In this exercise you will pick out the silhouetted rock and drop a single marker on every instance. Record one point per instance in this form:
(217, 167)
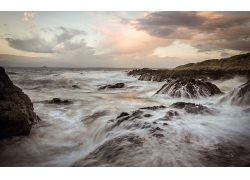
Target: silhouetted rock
(16, 109)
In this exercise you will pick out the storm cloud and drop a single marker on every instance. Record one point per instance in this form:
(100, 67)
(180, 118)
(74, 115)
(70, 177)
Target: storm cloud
(37, 44)
(206, 32)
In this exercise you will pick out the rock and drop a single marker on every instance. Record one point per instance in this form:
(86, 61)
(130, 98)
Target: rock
(59, 101)
(154, 107)
(189, 88)
(75, 87)
(145, 77)
(147, 115)
(191, 108)
(123, 114)
(16, 109)
(117, 85)
(112, 151)
(239, 96)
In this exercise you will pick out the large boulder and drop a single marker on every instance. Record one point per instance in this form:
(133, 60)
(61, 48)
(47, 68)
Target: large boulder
(189, 88)
(16, 109)
(238, 96)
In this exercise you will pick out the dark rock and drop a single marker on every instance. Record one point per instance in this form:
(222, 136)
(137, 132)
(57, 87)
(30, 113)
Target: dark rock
(76, 87)
(238, 96)
(118, 85)
(192, 108)
(165, 124)
(145, 77)
(16, 109)
(189, 88)
(147, 115)
(123, 114)
(158, 135)
(113, 150)
(154, 107)
(59, 101)
(56, 100)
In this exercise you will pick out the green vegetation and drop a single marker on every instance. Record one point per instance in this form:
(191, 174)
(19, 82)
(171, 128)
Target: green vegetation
(238, 62)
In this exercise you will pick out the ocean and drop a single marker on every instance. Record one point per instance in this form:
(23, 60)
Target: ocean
(80, 133)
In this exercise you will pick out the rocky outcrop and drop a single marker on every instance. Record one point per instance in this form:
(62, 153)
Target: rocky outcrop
(112, 151)
(191, 108)
(16, 109)
(189, 88)
(117, 85)
(145, 77)
(239, 96)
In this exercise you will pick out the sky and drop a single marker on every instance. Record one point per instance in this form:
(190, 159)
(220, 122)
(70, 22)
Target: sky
(126, 39)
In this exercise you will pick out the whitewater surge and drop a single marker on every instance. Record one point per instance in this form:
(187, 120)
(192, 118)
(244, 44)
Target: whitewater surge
(89, 131)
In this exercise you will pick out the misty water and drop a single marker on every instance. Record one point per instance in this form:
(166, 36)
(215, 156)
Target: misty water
(68, 133)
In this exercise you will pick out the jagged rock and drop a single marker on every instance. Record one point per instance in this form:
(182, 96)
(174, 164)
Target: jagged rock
(191, 108)
(16, 109)
(189, 88)
(117, 85)
(238, 96)
(145, 77)
(112, 151)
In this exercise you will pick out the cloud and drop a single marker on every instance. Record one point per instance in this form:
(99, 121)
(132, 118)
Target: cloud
(224, 54)
(127, 41)
(38, 44)
(35, 44)
(5, 24)
(206, 31)
(27, 16)
(32, 26)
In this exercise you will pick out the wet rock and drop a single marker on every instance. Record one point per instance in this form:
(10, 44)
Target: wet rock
(137, 114)
(16, 109)
(154, 107)
(172, 113)
(123, 114)
(145, 77)
(189, 88)
(158, 78)
(75, 87)
(58, 101)
(88, 120)
(112, 151)
(239, 96)
(191, 108)
(118, 85)
(158, 135)
(147, 115)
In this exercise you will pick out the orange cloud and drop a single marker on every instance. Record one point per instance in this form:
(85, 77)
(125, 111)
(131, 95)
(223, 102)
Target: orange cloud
(28, 15)
(128, 41)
